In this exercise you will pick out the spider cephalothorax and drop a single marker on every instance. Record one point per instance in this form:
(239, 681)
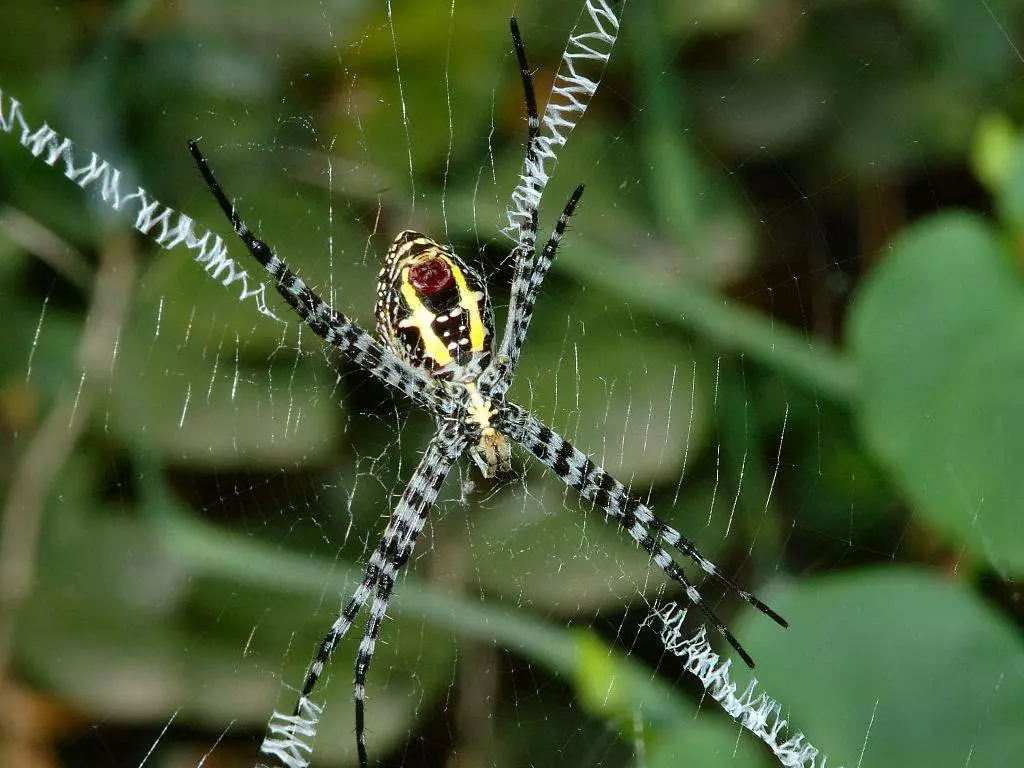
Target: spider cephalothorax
(488, 447)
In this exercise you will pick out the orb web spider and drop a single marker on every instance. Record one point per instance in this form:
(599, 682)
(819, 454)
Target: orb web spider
(436, 328)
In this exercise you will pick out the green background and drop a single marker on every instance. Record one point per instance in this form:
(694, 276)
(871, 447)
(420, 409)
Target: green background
(790, 311)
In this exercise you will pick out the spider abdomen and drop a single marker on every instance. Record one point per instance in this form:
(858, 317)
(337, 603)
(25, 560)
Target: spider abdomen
(432, 309)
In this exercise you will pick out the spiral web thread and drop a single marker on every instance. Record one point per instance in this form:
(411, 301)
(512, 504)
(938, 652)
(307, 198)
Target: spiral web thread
(757, 712)
(166, 227)
(586, 51)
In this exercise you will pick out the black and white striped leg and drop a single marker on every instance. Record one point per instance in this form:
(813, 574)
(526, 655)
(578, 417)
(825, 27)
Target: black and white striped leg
(288, 737)
(326, 322)
(525, 249)
(418, 498)
(595, 484)
(529, 235)
(391, 554)
(532, 116)
(525, 289)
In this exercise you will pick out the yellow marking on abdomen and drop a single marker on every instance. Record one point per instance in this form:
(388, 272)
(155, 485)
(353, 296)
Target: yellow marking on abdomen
(422, 319)
(469, 303)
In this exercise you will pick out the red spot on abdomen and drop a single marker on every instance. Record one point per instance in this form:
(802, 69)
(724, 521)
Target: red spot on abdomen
(430, 276)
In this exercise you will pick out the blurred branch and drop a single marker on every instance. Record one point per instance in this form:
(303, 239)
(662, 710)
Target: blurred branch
(49, 448)
(56, 252)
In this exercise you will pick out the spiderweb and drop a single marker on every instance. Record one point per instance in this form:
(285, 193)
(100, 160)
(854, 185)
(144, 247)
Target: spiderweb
(191, 486)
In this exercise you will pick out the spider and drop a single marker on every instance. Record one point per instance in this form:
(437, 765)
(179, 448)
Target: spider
(436, 330)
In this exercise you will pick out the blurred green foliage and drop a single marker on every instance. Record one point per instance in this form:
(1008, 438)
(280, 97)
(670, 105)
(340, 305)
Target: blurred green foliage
(790, 309)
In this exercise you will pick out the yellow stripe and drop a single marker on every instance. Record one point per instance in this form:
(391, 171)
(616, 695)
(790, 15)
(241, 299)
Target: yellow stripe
(472, 307)
(423, 320)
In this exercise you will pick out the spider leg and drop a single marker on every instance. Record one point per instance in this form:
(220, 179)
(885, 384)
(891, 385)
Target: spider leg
(285, 739)
(326, 322)
(530, 269)
(594, 484)
(411, 514)
(532, 116)
(528, 235)
(391, 554)
(525, 250)
(525, 288)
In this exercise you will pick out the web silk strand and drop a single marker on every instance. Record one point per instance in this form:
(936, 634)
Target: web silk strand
(582, 66)
(162, 224)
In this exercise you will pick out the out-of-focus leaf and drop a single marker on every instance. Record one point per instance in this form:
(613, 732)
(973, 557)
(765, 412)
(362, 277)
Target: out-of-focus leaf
(966, 41)
(937, 332)
(551, 552)
(709, 740)
(994, 148)
(205, 406)
(636, 400)
(895, 664)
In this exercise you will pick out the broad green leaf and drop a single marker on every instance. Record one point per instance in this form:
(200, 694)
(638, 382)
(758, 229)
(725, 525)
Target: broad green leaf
(207, 405)
(938, 333)
(551, 551)
(897, 664)
(707, 740)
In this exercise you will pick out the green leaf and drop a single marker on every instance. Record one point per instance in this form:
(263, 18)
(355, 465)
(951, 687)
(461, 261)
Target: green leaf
(707, 741)
(209, 406)
(635, 404)
(898, 664)
(938, 333)
(993, 149)
(525, 539)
